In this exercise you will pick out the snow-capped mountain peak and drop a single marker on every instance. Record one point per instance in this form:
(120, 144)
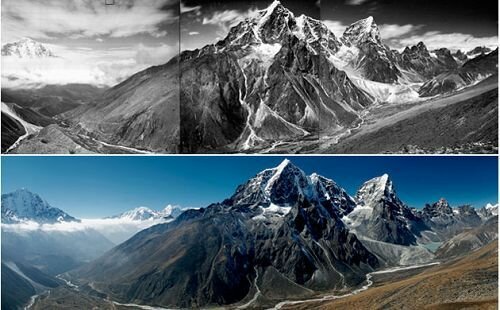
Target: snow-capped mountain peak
(23, 205)
(365, 30)
(26, 48)
(286, 184)
(372, 191)
(138, 214)
(492, 208)
(145, 213)
(171, 211)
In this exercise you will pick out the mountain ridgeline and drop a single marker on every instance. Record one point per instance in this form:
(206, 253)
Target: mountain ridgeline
(282, 234)
(274, 79)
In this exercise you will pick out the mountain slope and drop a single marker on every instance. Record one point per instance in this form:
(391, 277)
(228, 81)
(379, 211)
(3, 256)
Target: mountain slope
(381, 215)
(269, 79)
(12, 130)
(23, 205)
(471, 72)
(52, 100)
(468, 283)
(274, 236)
(141, 112)
(16, 291)
(469, 240)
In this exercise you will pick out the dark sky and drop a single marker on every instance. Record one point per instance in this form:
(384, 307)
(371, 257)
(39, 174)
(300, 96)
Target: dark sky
(209, 21)
(443, 15)
(439, 23)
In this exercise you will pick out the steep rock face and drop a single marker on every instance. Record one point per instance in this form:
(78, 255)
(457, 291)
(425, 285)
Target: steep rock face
(141, 112)
(286, 184)
(211, 112)
(487, 211)
(446, 221)
(381, 215)
(460, 57)
(418, 59)
(478, 50)
(375, 60)
(470, 240)
(12, 130)
(272, 235)
(277, 84)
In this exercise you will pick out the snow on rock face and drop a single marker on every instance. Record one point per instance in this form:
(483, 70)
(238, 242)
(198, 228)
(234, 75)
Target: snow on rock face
(374, 190)
(286, 184)
(26, 48)
(23, 205)
(492, 208)
(139, 214)
(145, 213)
(365, 30)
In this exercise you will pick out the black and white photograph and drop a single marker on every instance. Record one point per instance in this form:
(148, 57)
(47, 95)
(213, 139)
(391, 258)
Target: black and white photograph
(259, 154)
(84, 77)
(249, 77)
(363, 77)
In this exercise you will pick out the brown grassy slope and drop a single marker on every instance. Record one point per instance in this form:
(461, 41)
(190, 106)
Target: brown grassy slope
(467, 283)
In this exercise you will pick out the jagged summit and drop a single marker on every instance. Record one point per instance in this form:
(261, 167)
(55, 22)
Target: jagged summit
(375, 190)
(441, 207)
(362, 31)
(287, 184)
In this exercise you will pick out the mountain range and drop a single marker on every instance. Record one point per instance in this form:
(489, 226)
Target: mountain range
(277, 82)
(39, 242)
(282, 234)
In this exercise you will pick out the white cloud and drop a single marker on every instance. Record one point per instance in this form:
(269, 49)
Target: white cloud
(390, 31)
(452, 41)
(400, 36)
(336, 27)
(83, 18)
(82, 65)
(355, 2)
(115, 230)
(187, 9)
(227, 19)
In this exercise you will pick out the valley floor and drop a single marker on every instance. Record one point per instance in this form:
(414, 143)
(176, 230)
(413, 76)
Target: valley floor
(467, 283)
(463, 122)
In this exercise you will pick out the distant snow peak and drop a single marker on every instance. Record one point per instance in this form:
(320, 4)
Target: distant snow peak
(146, 214)
(26, 48)
(492, 208)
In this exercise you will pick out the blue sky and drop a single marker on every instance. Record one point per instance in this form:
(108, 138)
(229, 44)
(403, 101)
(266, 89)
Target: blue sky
(89, 187)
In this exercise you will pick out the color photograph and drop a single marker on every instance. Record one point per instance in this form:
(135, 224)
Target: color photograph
(249, 232)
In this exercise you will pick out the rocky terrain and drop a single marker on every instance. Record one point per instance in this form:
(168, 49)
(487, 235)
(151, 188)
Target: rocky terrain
(281, 83)
(282, 238)
(283, 235)
(469, 282)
